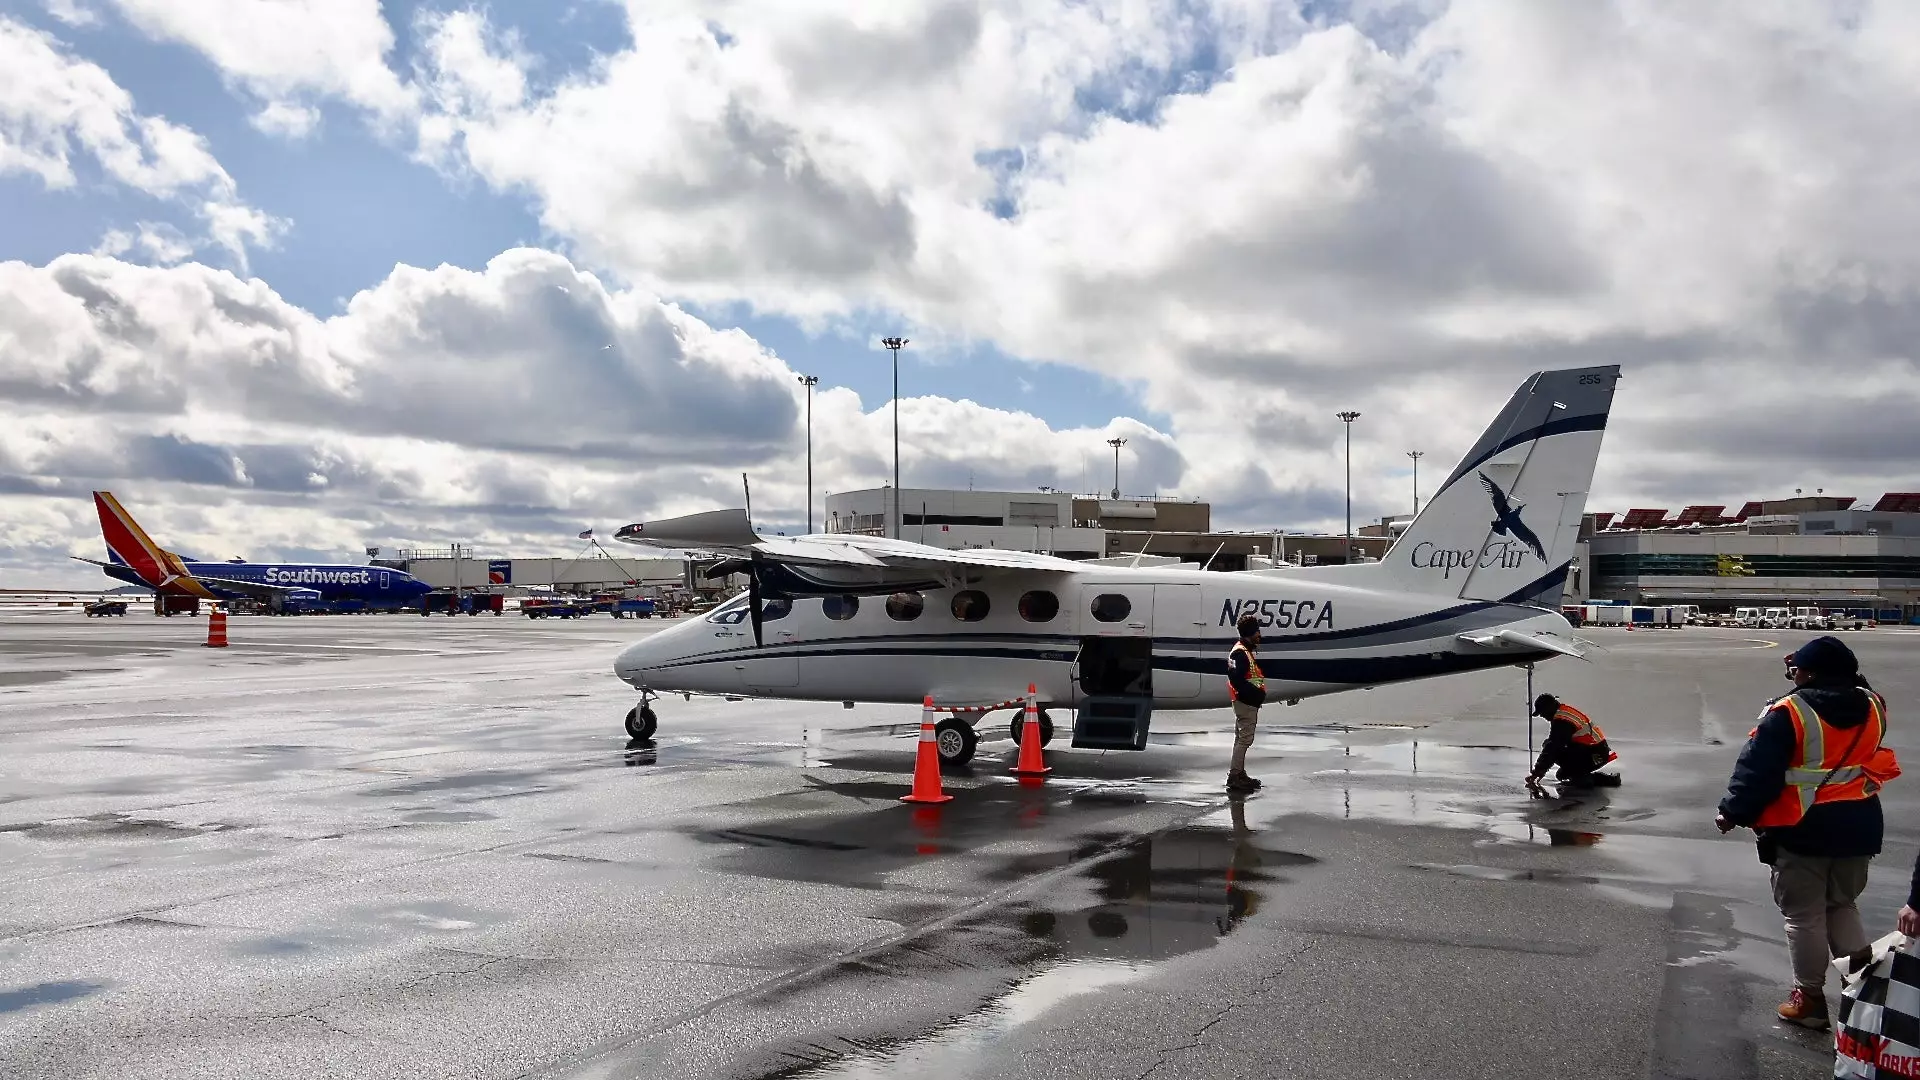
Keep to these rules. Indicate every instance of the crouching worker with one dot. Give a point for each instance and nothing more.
(1575, 745)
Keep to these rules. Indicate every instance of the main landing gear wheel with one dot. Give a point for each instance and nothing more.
(1020, 723)
(955, 739)
(641, 722)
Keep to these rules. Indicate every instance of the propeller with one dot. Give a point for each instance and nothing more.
(756, 601)
(754, 610)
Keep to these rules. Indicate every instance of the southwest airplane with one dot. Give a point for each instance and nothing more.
(134, 558)
(1474, 583)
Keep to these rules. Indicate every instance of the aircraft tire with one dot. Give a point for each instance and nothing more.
(1020, 722)
(641, 722)
(956, 741)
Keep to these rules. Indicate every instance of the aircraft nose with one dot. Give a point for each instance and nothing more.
(635, 663)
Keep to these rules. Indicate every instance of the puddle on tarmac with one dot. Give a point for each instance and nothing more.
(430, 816)
(939, 1053)
(50, 993)
(31, 678)
(111, 827)
(1112, 921)
(1507, 873)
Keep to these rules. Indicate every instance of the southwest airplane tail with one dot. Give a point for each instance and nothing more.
(129, 545)
(1504, 525)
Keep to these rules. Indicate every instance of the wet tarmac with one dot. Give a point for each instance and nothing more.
(396, 847)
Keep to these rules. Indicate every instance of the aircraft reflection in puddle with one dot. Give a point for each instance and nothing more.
(1168, 894)
(642, 752)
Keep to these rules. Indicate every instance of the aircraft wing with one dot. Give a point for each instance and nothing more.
(728, 532)
(1522, 639)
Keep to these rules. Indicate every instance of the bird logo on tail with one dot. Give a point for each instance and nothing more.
(1506, 521)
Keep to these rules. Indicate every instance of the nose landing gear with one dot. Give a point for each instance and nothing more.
(956, 740)
(641, 721)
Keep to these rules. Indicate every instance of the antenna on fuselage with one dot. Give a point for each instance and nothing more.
(1144, 544)
(1215, 555)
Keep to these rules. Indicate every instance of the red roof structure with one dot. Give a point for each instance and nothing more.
(1644, 519)
(1899, 502)
(1701, 515)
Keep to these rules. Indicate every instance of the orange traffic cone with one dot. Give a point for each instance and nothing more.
(926, 766)
(217, 628)
(1032, 762)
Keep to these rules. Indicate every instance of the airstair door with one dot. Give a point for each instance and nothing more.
(1178, 622)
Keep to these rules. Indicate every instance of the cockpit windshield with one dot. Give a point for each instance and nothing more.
(730, 613)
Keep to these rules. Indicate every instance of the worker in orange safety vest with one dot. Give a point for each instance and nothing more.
(1808, 784)
(1247, 687)
(1574, 743)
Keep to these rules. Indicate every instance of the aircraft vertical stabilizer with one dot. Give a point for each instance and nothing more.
(1504, 525)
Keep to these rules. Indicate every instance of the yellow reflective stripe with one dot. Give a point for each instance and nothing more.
(1814, 777)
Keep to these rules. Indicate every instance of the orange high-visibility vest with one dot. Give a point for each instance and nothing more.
(1829, 764)
(1585, 731)
(1253, 670)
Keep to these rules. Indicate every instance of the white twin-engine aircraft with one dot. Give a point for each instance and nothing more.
(1473, 583)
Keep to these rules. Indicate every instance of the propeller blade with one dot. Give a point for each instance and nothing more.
(754, 602)
(725, 567)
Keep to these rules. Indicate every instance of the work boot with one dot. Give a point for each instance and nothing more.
(1240, 781)
(1860, 959)
(1807, 1008)
(1606, 779)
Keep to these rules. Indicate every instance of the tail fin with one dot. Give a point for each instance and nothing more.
(129, 544)
(1504, 525)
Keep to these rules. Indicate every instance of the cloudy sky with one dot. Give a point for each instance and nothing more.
(295, 276)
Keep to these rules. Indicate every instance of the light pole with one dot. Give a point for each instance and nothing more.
(1116, 443)
(1416, 455)
(1348, 418)
(809, 381)
(895, 344)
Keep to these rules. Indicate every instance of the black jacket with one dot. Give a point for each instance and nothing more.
(1239, 668)
(1839, 830)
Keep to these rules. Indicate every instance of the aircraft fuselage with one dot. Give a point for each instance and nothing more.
(1163, 632)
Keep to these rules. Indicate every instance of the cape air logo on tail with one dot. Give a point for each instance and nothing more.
(1506, 521)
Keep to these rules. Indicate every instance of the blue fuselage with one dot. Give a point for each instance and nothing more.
(375, 586)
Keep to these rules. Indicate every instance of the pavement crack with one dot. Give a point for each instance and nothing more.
(1198, 1037)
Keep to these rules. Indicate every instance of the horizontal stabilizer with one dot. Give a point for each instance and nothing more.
(1523, 639)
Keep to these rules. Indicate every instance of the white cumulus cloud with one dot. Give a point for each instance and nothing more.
(55, 106)
(286, 54)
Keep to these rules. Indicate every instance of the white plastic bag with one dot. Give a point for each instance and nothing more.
(1876, 1034)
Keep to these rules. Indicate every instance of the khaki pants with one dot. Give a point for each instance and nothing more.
(1816, 896)
(1245, 718)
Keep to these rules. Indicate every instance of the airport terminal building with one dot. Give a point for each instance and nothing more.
(1080, 527)
(1823, 551)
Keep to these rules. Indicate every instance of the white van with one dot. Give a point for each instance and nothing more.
(1747, 616)
(1776, 618)
(1808, 618)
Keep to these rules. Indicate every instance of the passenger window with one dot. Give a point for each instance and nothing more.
(971, 605)
(905, 606)
(775, 609)
(1111, 607)
(1039, 606)
(840, 608)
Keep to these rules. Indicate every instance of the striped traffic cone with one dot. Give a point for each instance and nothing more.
(926, 766)
(1032, 761)
(217, 628)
